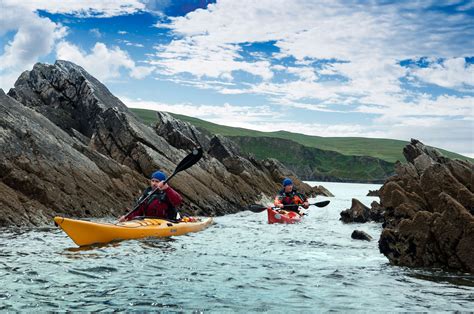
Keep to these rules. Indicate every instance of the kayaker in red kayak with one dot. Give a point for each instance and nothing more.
(162, 204)
(290, 196)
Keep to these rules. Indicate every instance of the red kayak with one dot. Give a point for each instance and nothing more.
(282, 216)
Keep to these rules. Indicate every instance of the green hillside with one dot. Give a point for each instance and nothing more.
(311, 163)
(385, 149)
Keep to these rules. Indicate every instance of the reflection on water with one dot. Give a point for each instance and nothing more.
(442, 277)
(240, 264)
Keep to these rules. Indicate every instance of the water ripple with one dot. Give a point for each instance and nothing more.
(240, 264)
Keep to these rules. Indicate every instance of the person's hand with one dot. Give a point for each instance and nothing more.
(306, 205)
(162, 185)
(281, 206)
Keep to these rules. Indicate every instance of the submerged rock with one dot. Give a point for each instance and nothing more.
(429, 211)
(72, 148)
(361, 235)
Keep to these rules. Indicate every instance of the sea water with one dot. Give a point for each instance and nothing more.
(239, 264)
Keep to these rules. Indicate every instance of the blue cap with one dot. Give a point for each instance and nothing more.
(158, 175)
(287, 181)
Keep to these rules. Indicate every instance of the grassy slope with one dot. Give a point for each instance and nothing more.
(312, 163)
(385, 149)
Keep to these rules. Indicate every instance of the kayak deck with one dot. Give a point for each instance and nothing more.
(282, 216)
(88, 232)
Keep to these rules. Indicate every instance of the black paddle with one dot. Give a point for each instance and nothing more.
(187, 162)
(256, 208)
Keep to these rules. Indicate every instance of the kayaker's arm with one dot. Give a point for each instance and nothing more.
(173, 196)
(278, 202)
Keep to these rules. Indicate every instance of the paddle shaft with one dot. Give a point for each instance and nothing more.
(317, 204)
(259, 208)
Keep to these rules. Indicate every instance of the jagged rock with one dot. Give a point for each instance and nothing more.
(373, 193)
(321, 190)
(429, 211)
(180, 134)
(72, 148)
(361, 213)
(361, 235)
(46, 172)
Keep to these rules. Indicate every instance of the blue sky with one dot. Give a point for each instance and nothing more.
(384, 69)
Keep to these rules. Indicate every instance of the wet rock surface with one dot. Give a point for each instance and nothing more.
(373, 193)
(361, 213)
(361, 235)
(429, 211)
(72, 148)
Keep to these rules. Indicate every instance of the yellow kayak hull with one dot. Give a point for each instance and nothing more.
(88, 232)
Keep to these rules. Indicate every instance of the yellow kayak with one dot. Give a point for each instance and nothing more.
(88, 232)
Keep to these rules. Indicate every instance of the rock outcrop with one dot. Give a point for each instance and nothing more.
(429, 207)
(72, 148)
(361, 235)
(361, 213)
(45, 172)
(373, 193)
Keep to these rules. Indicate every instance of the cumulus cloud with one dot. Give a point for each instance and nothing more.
(202, 58)
(226, 114)
(451, 73)
(369, 39)
(34, 37)
(103, 62)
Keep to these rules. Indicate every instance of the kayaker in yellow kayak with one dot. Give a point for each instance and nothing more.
(290, 196)
(161, 204)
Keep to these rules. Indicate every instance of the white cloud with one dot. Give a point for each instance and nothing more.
(452, 73)
(371, 39)
(225, 114)
(202, 58)
(103, 62)
(34, 37)
(96, 32)
(82, 8)
(423, 106)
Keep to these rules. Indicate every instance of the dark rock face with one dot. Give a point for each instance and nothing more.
(361, 213)
(361, 235)
(373, 193)
(429, 211)
(72, 148)
(45, 172)
(180, 134)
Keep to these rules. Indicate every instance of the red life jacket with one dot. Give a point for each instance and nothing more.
(161, 204)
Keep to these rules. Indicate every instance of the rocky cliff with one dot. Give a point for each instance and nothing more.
(72, 148)
(429, 208)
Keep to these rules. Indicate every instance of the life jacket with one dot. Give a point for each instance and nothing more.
(290, 198)
(157, 205)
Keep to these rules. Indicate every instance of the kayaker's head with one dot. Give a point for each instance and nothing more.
(287, 184)
(157, 177)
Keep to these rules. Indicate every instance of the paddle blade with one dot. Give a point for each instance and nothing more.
(321, 204)
(187, 162)
(256, 208)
